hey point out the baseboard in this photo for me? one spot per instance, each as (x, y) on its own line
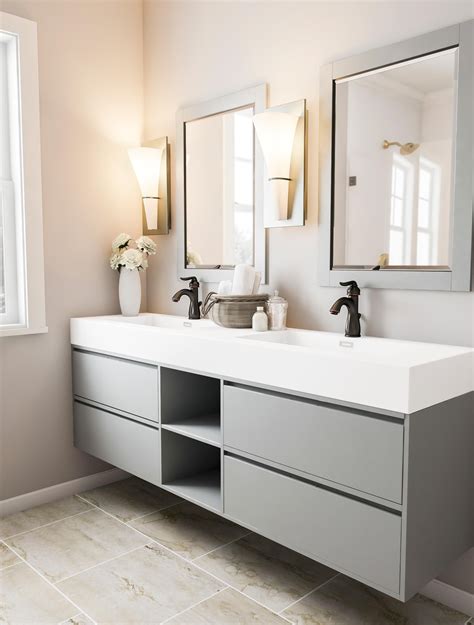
(51, 493)
(449, 595)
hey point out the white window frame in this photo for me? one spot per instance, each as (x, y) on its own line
(22, 58)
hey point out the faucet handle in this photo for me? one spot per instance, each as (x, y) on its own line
(353, 287)
(193, 281)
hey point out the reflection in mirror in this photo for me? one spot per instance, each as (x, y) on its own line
(219, 189)
(393, 165)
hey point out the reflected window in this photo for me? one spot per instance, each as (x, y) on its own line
(428, 214)
(397, 216)
(243, 187)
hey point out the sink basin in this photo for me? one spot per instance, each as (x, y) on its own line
(164, 321)
(302, 338)
(369, 349)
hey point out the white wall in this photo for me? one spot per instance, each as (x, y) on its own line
(198, 50)
(90, 68)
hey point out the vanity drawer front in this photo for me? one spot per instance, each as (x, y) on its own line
(353, 536)
(122, 384)
(347, 447)
(126, 444)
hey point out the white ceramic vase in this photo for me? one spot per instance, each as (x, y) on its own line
(130, 292)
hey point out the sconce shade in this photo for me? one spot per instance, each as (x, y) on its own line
(276, 135)
(146, 163)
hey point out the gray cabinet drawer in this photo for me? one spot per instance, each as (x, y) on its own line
(351, 535)
(347, 447)
(122, 384)
(131, 446)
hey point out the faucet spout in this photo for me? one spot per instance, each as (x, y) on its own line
(339, 303)
(179, 294)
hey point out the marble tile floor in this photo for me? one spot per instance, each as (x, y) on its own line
(132, 554)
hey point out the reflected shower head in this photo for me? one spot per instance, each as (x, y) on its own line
(405, 148)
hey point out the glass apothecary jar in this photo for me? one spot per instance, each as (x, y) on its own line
(276, 309)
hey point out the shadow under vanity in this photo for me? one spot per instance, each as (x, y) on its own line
(359, 489)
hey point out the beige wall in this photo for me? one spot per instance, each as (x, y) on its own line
(90, 66)
(197, 50)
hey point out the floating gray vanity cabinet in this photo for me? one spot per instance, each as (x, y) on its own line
(381, 496)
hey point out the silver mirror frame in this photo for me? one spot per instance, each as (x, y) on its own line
(461, 276)
(257, 97)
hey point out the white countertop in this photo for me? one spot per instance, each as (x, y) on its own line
(391, 375)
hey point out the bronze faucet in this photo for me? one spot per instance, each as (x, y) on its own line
(193, 294)
(351, 302)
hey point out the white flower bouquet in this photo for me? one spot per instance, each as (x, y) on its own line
(128, 257)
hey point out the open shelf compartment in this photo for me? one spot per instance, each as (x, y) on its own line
(192, 469)
(190, 405)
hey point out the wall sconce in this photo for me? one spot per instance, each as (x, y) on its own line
(151, 166)
(281, 132)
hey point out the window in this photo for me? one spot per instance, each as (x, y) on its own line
(428, 214)
(22, 307)
(243, 186)
(238, 186)
(399, 224)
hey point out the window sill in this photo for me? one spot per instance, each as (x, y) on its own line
(20, 330)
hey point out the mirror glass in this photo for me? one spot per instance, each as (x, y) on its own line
(219, 189)
(393, 165)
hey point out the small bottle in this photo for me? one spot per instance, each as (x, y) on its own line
(260, 320)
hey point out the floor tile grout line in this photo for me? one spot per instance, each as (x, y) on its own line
(70, 618)
(193, 606)
(221, 546)
(45, 579)
(60, 581)
(229, 585)
(190, 562)
(40, 527)
(310, 592)
(9, 566)
(142, 516)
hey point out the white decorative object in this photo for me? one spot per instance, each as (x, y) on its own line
(276, 309)
(244, 279)
(129, 261)
(130, 292)
(260, 320)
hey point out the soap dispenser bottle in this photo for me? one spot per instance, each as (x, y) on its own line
(260, 320)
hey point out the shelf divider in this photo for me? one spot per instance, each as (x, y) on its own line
(204, 428)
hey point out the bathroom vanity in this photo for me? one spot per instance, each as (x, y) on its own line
(354, 452)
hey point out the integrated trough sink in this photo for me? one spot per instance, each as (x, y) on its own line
(384, 374)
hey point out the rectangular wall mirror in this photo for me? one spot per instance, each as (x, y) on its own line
(397, 198)
(219, 187)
